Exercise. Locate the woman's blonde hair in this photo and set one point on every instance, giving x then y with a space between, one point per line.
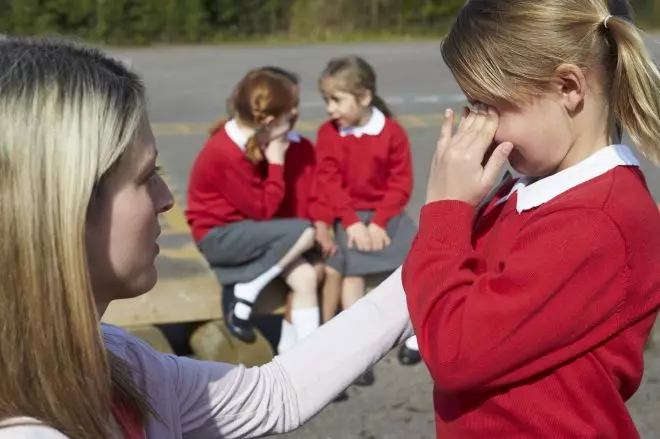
67 113
508 50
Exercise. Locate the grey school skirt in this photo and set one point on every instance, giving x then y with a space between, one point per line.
241 251
352 262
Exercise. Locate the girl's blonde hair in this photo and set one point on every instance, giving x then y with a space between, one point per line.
355 75
67 113
508 50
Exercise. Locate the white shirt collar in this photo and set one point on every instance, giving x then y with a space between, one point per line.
240 139
373 128
532 193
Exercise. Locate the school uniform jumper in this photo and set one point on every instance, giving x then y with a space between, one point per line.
532 319
233 208
365 174
299 165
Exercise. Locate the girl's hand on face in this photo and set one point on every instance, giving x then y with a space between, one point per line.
276 150
281 126
460 169
276 139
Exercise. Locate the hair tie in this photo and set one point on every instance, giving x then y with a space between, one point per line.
605 20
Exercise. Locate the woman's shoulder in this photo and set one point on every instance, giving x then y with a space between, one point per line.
131 349
27 428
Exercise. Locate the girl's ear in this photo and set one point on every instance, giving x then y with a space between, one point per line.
570 83
366 98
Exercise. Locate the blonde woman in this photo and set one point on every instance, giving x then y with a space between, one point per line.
80 195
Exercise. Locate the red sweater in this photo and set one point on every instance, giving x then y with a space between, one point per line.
226 187
298 178
365 173
533 324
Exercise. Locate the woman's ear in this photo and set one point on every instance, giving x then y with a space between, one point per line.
268 121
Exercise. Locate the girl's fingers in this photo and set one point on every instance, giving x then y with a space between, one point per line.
467 122
487 128
445 131
496 163
480 118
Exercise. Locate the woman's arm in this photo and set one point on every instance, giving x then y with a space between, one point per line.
218 400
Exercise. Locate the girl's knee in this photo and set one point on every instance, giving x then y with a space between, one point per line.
304 277
319 267
331 273
354 279
308 238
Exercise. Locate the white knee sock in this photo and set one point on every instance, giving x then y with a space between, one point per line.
249 291
288 337
305 320
411 343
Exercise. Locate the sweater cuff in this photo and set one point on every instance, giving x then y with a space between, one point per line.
322 214
447 222
381 219
275 172
349 218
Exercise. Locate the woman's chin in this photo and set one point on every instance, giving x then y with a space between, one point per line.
141 285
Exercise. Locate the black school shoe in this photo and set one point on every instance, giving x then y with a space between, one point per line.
366 379
408 357
241 328
343 396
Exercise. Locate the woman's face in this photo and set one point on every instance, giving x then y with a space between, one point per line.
123 225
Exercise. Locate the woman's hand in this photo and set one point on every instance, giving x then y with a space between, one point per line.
461 169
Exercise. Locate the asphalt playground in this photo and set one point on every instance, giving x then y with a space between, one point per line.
187 89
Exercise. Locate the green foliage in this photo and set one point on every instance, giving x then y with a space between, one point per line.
147 21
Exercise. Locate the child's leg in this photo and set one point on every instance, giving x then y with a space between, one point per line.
352 290
409 352
319 267
288 336
331 293
302 279
287 308
249 291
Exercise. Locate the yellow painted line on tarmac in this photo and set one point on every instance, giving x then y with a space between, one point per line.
188 251
174 221
419 120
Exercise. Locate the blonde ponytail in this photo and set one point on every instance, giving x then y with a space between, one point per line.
635 88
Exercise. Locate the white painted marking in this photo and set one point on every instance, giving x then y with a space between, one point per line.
400 100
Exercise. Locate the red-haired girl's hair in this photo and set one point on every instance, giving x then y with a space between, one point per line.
258 95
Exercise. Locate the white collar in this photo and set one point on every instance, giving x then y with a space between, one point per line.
532 193
373 128
240 139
